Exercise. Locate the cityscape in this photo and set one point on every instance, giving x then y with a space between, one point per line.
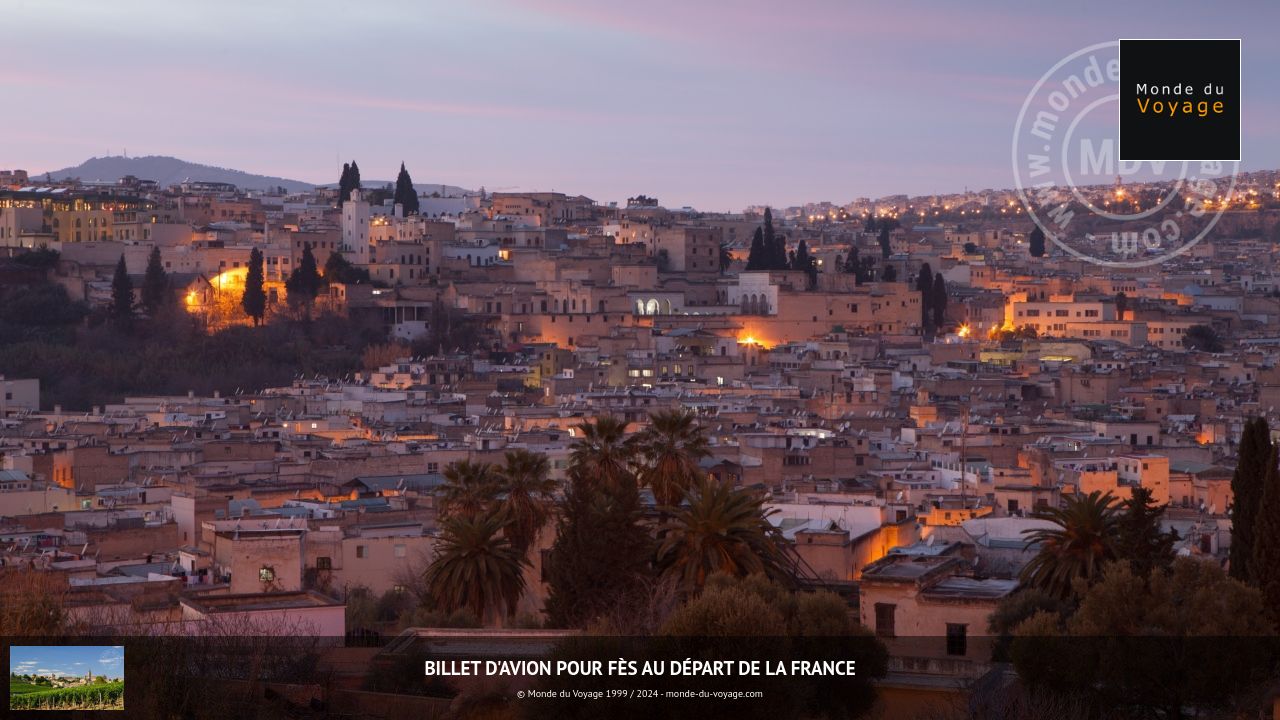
275 445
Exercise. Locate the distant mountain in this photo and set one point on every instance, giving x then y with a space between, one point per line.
168 171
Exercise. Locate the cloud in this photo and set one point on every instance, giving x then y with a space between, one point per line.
111 656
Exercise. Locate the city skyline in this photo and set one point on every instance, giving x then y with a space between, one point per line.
700 107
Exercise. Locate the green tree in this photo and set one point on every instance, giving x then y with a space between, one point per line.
1246 489
938 300
304 283
1266 541
720 529
337 269
1202 337
1122 303
602 455
526 495
1139 537
254 299
1035 242
1190 637
970 249
924 285
476 567
602 555
756 258
121 307
469 488
671 448
1083 541
890 273
155 284
886 249
406 196
349 181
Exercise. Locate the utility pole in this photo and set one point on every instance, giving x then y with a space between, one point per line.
964 438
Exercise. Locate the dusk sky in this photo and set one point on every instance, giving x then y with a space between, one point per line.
712 104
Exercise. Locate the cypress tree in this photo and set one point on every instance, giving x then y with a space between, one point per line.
775 248
1265 564
405 195
1246 488
1036 242
355 176
155 284
924 285
889 274
344 183
885 249
304 282
939 300
756 259
254 300
121 307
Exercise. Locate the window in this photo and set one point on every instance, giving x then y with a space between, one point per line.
957 639
324 563
360 551
884 619
267 574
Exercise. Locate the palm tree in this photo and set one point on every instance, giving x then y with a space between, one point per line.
1083 541
476 566
526 495
720 529
602 454
671 447
469 488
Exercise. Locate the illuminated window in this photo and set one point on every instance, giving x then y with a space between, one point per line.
267 574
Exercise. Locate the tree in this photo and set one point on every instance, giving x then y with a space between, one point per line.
756 259
1190 637
1202 337
924 285
349 181
970 249
1246 489
602 455
602 555
476 567
155 284
469 488
337 269
1265 566
721 529
1140 540
1035 242
406 196
889 274
121 307
938 299
304 282
1083 541
885 248
775 246
254 300
1122 302
671 447
525 494
726 258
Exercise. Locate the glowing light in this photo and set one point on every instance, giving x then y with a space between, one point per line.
964 331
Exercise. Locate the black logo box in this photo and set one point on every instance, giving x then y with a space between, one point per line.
1187 65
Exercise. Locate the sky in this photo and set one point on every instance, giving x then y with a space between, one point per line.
67 660
707 103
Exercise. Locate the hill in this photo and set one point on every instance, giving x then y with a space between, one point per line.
168 171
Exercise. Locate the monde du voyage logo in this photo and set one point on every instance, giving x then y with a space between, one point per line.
1124 151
